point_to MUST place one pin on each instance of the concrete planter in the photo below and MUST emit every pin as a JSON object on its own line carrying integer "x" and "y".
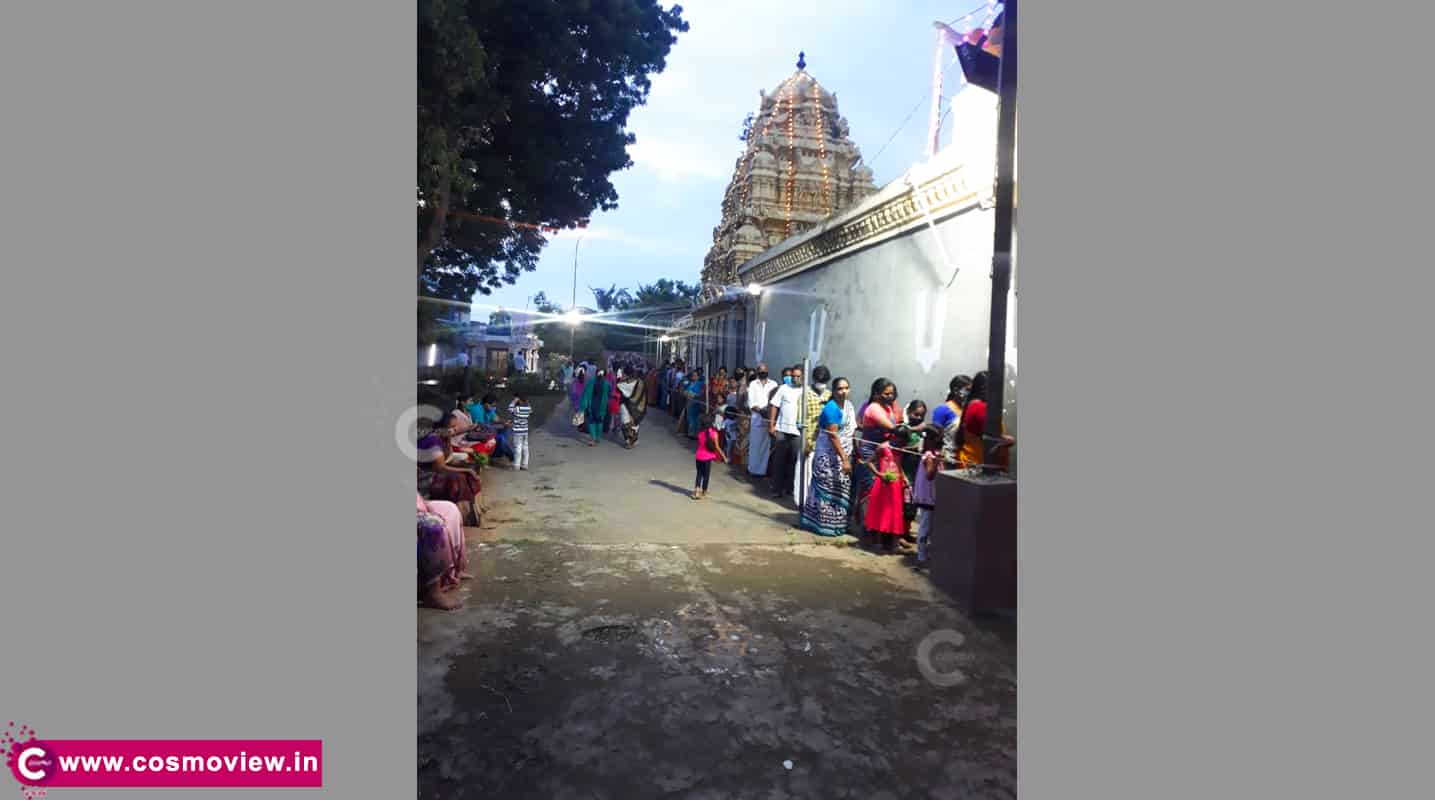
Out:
{"x": 973, "y": 555}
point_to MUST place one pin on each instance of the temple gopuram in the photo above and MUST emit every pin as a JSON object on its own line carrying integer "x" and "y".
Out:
{"x": 834, "y": 262}
{"x": 798, "y": 169}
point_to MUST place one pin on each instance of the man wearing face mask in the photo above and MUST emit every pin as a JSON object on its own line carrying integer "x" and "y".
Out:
{"x": 814, "y": 398}
{"x": 782, "y": 415}
{"x": 759, "y": 443}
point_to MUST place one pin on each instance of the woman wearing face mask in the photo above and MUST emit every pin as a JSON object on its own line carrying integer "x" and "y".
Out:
{"x": 829, "y": 502}
{"x": 946, "y": 416}
{"x": 737, "y": 433}
{"x": 717, "y": 389}
{"x": 695, "y": 391}
{"x": 911, "y": 460}
{"x": 814, "y": 399}
{"x": 973, "y": 424}
{"x": 883, "y": 515}
{"x": 879, "y": 419}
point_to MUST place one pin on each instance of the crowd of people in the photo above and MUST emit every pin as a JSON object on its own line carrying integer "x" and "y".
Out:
{"x": 852, "y": 464}
{"x": 609, "y": 399}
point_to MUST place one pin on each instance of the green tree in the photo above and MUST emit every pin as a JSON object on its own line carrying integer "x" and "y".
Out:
{"x": 522, "y": 115}
{"x": 611, "y": 299}
{"x": 665, "y": 292}
{"x": 542, "y": 304}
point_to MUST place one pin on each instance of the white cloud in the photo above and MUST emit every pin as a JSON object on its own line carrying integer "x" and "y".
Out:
{"x": 674, "y": 162}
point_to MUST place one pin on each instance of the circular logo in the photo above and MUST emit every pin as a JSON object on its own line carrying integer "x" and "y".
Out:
{"x": 406, "y": 427}
{"x": 33, "y": 763}
{"x": 924, "y": 657}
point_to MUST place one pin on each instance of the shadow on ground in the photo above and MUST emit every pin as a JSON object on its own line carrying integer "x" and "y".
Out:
{"x": 651, "y": 671}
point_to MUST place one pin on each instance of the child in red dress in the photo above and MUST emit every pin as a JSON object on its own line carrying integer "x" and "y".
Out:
{"x": 885, "y": 502}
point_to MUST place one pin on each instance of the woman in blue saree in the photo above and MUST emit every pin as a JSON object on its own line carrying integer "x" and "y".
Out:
{"x": 695, "y": 391}
{"x": 595, "y": 404}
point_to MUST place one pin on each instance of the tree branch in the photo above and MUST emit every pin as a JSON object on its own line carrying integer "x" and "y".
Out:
{"x": 433, "y": 237}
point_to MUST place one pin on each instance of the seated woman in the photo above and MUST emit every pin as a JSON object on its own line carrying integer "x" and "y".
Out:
{"x": 442, "y": 555}
{"x": 459, "y": 420}
{"x": 485, "y": 413}
{"x": 441, "y": 480}
{"x": 461, "y": 436}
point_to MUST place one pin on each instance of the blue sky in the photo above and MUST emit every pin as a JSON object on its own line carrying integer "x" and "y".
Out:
{"x": 876, "y": 56}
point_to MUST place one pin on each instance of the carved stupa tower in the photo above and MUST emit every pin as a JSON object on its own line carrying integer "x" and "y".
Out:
{"x": 799, "y": 168}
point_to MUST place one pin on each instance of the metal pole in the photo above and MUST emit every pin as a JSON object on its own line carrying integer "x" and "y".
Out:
{"x": 802, "y": 422}
{"x": 573, "y": 328}
{"x": 1001, "y": 243}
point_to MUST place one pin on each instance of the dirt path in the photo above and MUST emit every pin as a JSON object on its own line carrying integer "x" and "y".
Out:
{"x": 621, "y": 640}
{"x": 576, "y": 493}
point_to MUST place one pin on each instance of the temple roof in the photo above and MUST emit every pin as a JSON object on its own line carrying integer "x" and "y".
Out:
{"x": 799, "y": 167}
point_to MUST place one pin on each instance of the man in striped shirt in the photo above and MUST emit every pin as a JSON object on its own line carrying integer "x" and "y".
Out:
{"x": 519, "y": 411}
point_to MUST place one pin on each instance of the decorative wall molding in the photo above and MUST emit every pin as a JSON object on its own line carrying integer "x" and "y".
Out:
{"x": 943, "y": 196}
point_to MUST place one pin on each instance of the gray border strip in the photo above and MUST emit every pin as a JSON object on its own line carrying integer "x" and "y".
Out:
{"x": 205, "y": 313}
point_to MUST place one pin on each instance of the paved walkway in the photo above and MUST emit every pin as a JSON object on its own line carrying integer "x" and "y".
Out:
{"x": 576, "y": 493}
{"x": 622, "y": 640}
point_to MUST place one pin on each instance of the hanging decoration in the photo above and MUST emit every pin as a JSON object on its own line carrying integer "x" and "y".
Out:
{"x": 930, "y": 319}
{"x": 816, "y": 333}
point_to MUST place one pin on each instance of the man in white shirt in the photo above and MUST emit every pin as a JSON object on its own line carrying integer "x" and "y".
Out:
{"x": 783, "y": 412}
{"x": 759, "y": 442}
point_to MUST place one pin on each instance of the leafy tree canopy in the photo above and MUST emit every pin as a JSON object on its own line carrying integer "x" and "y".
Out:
{"x": 665, "y": 292}
{"x": 522, "y": 115}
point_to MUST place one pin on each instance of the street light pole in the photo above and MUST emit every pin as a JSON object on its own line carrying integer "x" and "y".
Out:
{"x": 573, "y": 329}
{"x": 1002, "y": 240}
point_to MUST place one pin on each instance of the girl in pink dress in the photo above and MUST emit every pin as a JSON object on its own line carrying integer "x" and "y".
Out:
{"x": 709, "y": 450}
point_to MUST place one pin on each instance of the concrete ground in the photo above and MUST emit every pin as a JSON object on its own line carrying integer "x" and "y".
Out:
{"x": 622, "y": 640}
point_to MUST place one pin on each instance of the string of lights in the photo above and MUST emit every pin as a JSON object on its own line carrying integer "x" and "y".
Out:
{"x": 766, "y": 128}
{"x": 822, "y": 149}
{"x": 791, "y": 159}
